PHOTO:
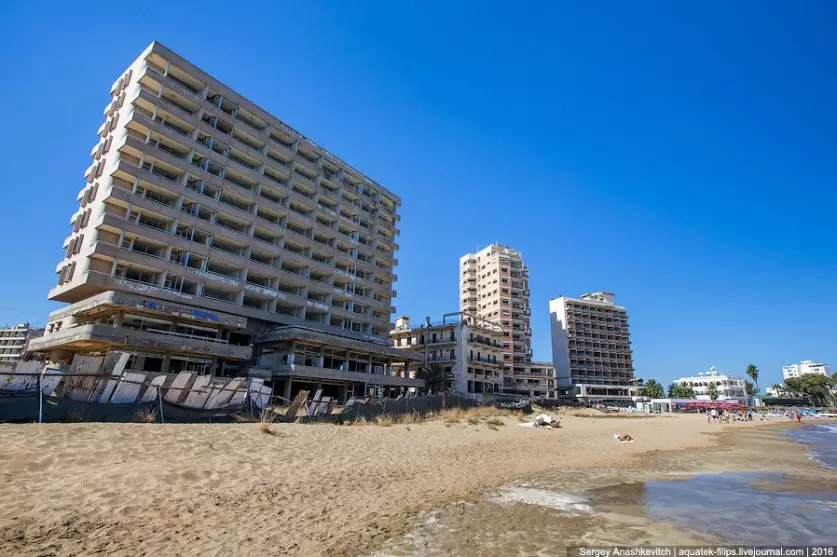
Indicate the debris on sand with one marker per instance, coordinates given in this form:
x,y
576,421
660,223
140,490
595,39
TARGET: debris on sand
x,y
543,420
623,437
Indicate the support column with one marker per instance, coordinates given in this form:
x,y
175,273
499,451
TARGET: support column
x,y
287,393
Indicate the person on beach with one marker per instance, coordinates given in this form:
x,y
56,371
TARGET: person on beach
x,y
799,417
714,415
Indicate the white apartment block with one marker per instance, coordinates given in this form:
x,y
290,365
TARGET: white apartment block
x,y
803,368
591,348
729,387
468,346
494,285
206,223
14,342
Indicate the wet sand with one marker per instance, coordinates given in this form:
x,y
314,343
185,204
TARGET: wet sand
x,y
221,489
649,502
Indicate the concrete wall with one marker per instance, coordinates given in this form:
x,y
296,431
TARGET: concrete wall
x,y
560,344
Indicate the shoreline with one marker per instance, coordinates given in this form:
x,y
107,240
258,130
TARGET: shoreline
x,y
193,489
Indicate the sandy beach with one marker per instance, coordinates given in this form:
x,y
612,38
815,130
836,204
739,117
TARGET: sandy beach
x,y
222,489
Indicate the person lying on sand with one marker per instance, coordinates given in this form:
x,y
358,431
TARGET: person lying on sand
x,y
623,438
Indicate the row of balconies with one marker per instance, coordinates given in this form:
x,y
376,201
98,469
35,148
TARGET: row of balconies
x,y
204,250
306,204
265,286
242,235
261,138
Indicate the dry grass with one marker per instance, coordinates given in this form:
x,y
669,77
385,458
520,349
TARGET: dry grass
x,y
145,416
495,423
385,420
266,420
450,416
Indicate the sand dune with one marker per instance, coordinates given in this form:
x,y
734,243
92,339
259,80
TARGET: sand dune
x,y
224,489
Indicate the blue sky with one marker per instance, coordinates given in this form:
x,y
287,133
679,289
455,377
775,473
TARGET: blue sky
x,y
681,155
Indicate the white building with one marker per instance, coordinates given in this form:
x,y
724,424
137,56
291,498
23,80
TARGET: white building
x,y
729,387
803,368
14,342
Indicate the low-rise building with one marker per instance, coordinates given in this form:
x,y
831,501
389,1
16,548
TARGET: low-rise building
x,y
729,387
804,367
14,342
535,379
468,346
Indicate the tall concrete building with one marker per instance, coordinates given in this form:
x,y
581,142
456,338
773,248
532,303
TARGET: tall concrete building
x,y
494,285
591,348
14,342
470,347
211,236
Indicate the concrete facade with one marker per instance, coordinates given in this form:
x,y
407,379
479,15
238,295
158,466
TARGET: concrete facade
x,y
197,198
494,285
591,348
14,342
469,347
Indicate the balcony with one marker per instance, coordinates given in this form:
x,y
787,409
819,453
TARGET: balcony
x,y
115,337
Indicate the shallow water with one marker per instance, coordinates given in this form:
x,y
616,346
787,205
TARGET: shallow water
x,y
664,506
822,441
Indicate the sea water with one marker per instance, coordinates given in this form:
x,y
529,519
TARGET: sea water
x,y
822,441
541,517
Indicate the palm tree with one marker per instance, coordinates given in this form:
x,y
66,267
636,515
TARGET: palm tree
x,y
436,378
712,391
653,389
753,372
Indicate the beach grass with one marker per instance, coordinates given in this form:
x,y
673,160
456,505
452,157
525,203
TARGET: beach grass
x,y
452,416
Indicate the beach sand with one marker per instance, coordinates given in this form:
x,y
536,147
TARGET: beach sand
x,y
223,489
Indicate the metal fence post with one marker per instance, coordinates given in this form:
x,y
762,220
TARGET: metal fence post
x,y
160,400
40,401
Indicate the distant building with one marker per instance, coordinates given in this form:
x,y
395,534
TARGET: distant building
x,y
804,368
14,342
494,285
468,346
591,348
729,387
536,379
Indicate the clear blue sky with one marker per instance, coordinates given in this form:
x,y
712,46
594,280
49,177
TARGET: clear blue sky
x,y
680,154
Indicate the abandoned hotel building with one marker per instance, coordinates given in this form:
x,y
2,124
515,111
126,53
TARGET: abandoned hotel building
x,y
212,237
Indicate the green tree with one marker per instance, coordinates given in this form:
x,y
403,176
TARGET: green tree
x,y
750,388
753,373
814,388
436,378
712,391
680,390
653,389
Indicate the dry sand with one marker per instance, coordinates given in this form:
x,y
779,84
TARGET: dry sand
x,y
228,489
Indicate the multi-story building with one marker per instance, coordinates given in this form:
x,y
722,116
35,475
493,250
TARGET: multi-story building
x,y
205,222
803,368
591,348
470,347
494,285
535,379
14,342
729,387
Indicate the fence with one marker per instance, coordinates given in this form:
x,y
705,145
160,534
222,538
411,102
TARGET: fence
x,y
58,397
